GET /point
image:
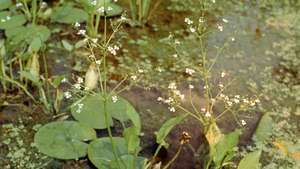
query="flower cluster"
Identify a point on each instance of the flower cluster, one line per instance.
(175, 97)
(79, 108)
(113, 49)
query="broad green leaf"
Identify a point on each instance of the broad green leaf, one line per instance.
(100, 151)
(224, 147)
(4, 14)
(27, 34)
(35, 45)
(110, 8)
(113, 10)
(91, 8)
(251, 160)
(123, 111)
(4, 4)
(131, 136)
(90, 111)
(128, 162)
(64, 139)
(7, 22)
(68, 14)
(167, 127)
(264, 128)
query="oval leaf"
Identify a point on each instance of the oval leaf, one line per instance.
(225, 147)
(264, 128)
(8, 22)
(251, 160)
(128, 162)
(167, 127)
(64, 139)
(68, 14)
(90, 111)
(100, 151)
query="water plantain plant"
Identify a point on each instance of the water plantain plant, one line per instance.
(76, 139)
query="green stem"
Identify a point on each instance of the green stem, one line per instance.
(174, 158)
(105, 92)
(109, 132)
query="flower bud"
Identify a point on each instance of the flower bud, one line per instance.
(91, 77)
(34, 68)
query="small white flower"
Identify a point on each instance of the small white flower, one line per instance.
(98, 62)
(236, 100)
(77, 25)
(18, 5)
(133, 77)
(213, 1)
(114, 99)
(94, 2)
(92, 56)
(64, 80)
(188, 21)
(79, 108)
(172, 86)
(192, 29)
(220, 27)
(191, 86)
(232, 39)
(141, 71)
(81, 32)
(159, 69)
(169, 100)
(207, 114)
(223, 74)
(189, 71)
(113, 50)
(8, 18)
(79, 80)
(77, 86)
(67, 95)
(229, 103)
(221, 85)
(225, 20)
(100, 10)
(160, 99)
(44, 5)
(175, 55)
(203, 109)
(243, 122)
(3, 20)
(245, 100)
(109, 8)
(172, 109)
(201, 19)
(177, 42)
